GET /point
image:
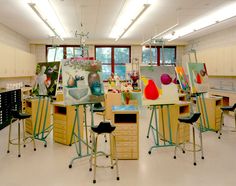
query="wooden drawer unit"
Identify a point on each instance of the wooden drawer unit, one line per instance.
(213, 105)
(31, 107)
(175, 111)
(63, 120)
(126, 120)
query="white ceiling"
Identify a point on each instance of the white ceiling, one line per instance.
(98, 17)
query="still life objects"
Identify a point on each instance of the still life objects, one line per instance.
(46, 78)
(198, 77)
(182, 78)
(134, 76)
(82, 80)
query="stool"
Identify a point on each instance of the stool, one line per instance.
(230, 109)
(18, 116)
(103, 128)
(97, 107)
(189, 120)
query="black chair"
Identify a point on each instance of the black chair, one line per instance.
(229, 109)
(189, 120)
(103, 128)
(18, 116)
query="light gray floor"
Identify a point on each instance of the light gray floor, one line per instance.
(49, 166)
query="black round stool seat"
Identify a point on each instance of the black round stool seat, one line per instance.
(103, 127)
(228, 108)
(191, 119)
(19, 115)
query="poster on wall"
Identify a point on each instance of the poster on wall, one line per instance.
(82, 81)
(46, 78)
(182, 78)
(198, 77)
(157, 85)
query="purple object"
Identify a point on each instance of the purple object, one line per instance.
(166, 79)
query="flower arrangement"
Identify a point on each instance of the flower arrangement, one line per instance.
(134, 76)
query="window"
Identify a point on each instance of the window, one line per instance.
(156, 55)
(58, 53)
(113, 59)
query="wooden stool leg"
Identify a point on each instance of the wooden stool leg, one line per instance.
(9, 139)
(19, 138)
(194, 148)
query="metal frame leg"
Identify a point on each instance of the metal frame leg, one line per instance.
(110, 150)
(221, 123)
(95, 159)
(9, 139)
(201, 143)
(194, 148)
(117, 168)
(19, 138)
(177, 140)
(23, 128)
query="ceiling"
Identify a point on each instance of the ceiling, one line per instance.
(99, 16)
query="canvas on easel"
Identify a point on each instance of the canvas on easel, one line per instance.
(46, 78)
(198, 77)
(182, 78)
(157, 85)
(82, 81)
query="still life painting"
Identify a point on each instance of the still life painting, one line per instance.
(158, 85)
(82, 81)
(198, 77)
(182, 78)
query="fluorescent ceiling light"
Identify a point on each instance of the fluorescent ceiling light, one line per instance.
(130, 13)
(213, 18)
(44, 10)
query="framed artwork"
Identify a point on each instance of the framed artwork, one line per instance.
(82, 81)
(157, 85)
(198, 77)
(46, 78)
(182, 78)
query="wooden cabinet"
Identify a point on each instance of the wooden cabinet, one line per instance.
(126, 120)
(182, 109)
(15, 62)
(63, 120)
(31, 108)
(111, 99)
(213, 105)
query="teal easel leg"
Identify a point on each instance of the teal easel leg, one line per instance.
(37, 116)
(150, 123)
(199, 110)
(156, 131)
(205, 111)
(73, 130)
(163, 125)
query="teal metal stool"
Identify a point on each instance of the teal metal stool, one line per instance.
(189, 120)
(103, 128)
(18, 116)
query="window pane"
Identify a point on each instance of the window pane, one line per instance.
(169, 54)
(106, 71)
(146, 55)
(120, 71)
(51, 54)
(78, 52)
(55, 54)
(69, 52)
(59, 53)
(121, 55)
(103, 54)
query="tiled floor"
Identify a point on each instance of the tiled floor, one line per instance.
(49, 166)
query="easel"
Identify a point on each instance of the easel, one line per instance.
(77, 137)
(155, 130)
(38, 133)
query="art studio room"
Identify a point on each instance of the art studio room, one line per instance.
(117, 92)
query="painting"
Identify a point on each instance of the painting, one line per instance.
(82, 81)
(182, 78)
(198, 77)
(46, 78)
(158, 85)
